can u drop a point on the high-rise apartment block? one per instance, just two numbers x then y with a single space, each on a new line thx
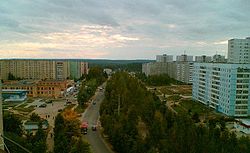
219 59
184 58
223 86
164 58
180 70
36 69
239 50
203 59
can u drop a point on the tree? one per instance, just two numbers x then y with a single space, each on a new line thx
80 146
35 117
12 123
11 77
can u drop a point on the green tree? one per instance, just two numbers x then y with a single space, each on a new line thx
12 123
35 117
80 146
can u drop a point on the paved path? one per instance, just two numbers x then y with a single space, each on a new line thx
91 115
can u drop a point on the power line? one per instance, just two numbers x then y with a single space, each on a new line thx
16 144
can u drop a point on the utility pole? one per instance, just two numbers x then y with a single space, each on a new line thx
1 119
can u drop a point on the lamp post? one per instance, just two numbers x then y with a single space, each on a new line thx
1 119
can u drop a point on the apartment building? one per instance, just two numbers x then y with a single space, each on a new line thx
184 58
239 50
219 59
164 58
155 68
180 70
203 58
223 86
34 69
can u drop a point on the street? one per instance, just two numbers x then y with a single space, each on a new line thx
91 115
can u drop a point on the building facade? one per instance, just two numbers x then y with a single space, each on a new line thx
181 71
184 58
49 89
203 58
155 68
77 68
219 59
239 50
164 58
223 86
32 69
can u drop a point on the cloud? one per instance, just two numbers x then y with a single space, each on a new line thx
120 27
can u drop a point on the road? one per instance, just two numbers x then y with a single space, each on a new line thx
91 115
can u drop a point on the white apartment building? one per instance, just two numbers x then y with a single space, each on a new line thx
164 58
223 86
239 50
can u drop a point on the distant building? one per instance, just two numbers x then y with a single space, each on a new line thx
203 59
184 58
164 58
13 95
181 71
239 50
77 68
223 86
155 68
219 59
184 72
36 69
242 125
108 71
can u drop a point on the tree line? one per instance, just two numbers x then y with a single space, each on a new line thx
136 121
157 80
90 82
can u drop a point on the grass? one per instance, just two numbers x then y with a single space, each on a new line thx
30 100
29 109
177 89
23 105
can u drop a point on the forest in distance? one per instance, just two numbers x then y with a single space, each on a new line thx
136 121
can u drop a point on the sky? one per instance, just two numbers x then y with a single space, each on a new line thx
120 29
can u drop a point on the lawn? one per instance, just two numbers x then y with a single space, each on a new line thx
22 109
185 90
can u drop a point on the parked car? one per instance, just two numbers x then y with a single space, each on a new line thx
43 105
49 102
68 102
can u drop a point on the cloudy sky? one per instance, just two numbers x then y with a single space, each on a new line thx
119 29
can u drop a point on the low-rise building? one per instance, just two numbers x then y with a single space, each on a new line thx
13 95
50 89
242 125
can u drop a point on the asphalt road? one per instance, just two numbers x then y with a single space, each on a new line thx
91 115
